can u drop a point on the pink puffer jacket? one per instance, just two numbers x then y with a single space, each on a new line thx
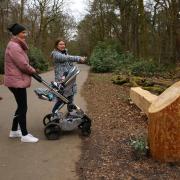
17 69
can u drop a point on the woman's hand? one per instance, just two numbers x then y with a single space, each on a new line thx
37 71
83 59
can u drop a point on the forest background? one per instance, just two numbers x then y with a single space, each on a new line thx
132 36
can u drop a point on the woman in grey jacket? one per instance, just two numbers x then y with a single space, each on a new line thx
62 64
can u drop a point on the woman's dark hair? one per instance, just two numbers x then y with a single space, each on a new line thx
57 42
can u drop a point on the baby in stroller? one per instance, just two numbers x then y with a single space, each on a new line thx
69 77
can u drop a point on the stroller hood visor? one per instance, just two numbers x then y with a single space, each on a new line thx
73 72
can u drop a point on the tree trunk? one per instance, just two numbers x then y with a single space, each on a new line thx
22 11
142 30
164 125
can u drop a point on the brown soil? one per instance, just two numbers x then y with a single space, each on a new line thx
107 153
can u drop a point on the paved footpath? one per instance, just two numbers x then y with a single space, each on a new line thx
45 160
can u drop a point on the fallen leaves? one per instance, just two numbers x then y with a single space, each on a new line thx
107 153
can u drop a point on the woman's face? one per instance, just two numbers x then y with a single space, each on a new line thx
22 35
61 45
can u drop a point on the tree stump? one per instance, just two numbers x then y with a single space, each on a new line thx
164 125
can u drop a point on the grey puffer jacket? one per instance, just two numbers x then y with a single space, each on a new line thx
63 63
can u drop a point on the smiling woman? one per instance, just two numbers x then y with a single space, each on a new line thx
17 78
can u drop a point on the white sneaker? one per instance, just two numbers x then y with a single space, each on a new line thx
15 134
29 138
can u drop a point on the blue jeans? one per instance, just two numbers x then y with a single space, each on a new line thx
59 103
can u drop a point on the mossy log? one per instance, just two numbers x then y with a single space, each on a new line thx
155 89
120 79
164 125
153 85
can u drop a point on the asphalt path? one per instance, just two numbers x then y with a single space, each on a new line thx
45 160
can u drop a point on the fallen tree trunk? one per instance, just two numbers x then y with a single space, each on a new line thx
164 125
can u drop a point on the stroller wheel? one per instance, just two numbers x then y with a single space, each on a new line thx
86 126
86 129
47 119
52 131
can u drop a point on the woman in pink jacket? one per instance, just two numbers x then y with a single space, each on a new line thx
17 78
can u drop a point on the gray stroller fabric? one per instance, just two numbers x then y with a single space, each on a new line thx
46 94
69 86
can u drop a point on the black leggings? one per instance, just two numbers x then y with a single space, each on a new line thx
20 114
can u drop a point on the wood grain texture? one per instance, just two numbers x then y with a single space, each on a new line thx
164 125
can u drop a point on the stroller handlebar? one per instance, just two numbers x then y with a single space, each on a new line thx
37 77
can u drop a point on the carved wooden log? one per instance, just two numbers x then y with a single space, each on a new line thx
164 125
142 98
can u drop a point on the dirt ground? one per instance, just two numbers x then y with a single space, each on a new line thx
107 153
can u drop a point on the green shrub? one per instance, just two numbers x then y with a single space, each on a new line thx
35 56
37 59
104 57
124 63
108 57
140 147
146 68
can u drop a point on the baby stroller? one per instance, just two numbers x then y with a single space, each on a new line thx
55 124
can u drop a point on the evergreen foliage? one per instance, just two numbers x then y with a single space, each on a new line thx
37 59
108 57
104 58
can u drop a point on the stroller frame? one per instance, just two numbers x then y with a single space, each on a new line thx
54 125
